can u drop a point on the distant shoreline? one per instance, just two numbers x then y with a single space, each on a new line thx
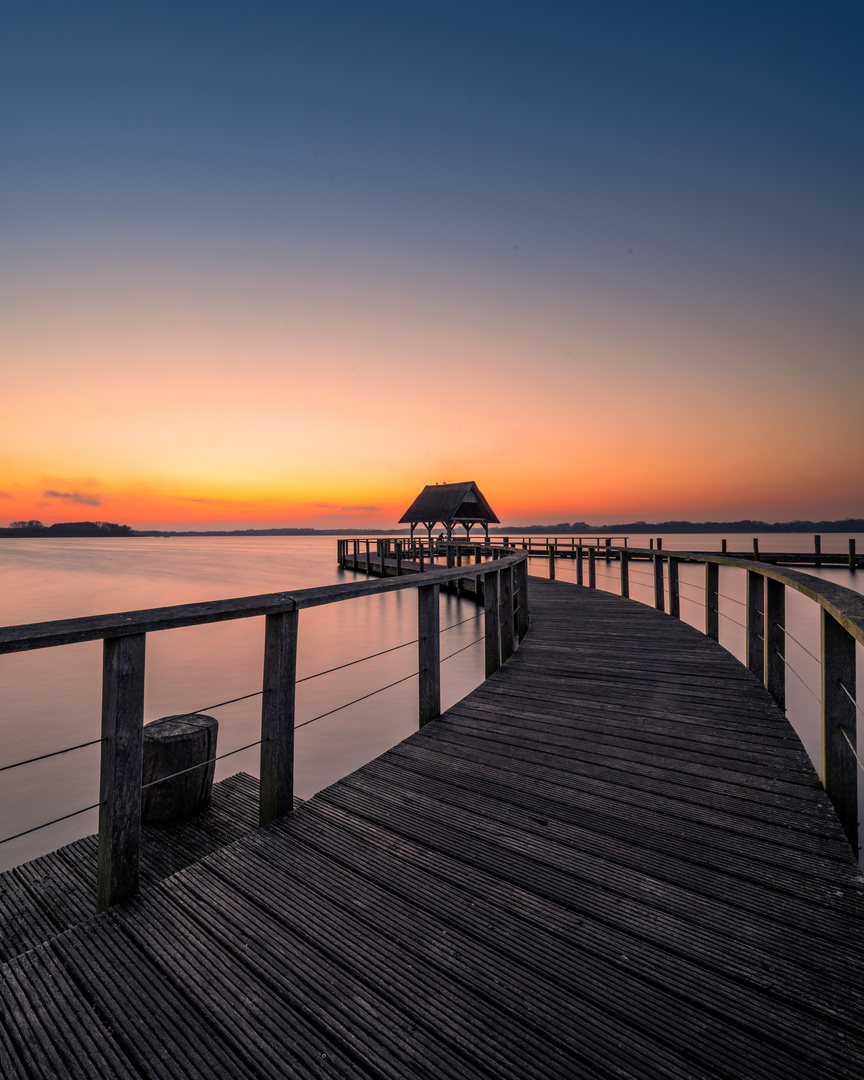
91 530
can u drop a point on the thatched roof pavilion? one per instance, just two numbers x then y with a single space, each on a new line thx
450 505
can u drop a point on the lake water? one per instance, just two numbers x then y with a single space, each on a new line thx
50 699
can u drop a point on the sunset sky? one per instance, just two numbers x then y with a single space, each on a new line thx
283 263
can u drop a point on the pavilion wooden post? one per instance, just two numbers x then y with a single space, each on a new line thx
659 599
429 652
674 590
117 872
592 568
775 640
277 716
493 636
712 601
506 609
625 572
756 623
839 775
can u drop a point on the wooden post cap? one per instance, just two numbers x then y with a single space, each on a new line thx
172 745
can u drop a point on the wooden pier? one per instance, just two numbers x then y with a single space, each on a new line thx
612 859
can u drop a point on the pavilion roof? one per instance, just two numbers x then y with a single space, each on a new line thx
450 503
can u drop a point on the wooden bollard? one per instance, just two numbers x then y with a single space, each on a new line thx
172 745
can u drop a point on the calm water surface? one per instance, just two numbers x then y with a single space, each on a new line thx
50 699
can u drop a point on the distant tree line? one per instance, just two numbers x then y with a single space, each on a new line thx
67 528
628 528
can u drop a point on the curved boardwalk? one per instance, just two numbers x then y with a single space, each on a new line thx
613 859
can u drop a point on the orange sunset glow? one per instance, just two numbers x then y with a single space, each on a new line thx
306 330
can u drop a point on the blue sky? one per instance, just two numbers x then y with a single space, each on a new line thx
669 193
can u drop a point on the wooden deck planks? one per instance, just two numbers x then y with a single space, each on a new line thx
613 859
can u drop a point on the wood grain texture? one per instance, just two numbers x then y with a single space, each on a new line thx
612 859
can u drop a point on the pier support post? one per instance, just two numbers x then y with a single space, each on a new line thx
839 767
674 590
658 581
429 652
277 716
490 607
756 624
775 640
117 872
506 584
522 614
625 572
712 601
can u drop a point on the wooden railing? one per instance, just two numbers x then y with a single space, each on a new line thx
842 625
505 597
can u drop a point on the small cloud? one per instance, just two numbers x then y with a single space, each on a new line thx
5 495
74 497
210 502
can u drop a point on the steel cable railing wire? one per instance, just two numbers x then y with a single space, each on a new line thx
53 753
851 698
231 701
852 748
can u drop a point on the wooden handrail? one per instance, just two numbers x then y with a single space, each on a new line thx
842 624
124 637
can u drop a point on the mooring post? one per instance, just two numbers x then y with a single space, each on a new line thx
506 609
723 546
775 641
658 581
592 568
580 574
817 549
429 652
852 563
839 767
674 591
625 572
493 635
755 549
117 872
277 716
712 601
756 624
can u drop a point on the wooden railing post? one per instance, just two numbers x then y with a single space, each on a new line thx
712 601
580 573
756 624
775 640
625 573
839 775
658 580
608 552
551 552
522 613
493 636
277 716
506 609
122 761
592 568
674 590
429 652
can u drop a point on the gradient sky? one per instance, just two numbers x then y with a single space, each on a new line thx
283 263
